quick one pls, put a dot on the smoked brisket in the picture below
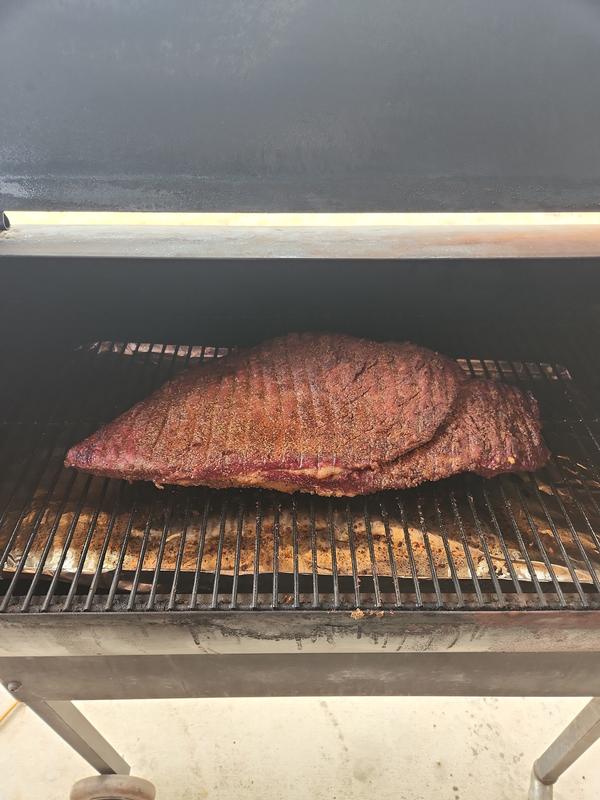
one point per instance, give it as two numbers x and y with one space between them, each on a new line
321 413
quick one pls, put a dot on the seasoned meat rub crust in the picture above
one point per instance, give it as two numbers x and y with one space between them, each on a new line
314 406
494 428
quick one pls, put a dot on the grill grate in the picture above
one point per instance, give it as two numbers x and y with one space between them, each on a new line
72 542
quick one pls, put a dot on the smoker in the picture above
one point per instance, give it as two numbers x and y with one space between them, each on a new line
177 186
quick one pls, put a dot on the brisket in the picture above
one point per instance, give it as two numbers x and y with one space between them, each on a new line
322 413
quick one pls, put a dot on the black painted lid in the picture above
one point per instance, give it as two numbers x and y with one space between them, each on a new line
318 105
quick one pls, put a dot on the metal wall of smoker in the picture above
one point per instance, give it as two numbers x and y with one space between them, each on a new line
299 104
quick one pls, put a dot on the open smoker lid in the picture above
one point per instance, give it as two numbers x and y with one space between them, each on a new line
305 105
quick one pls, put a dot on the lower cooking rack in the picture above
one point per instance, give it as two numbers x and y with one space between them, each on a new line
70 542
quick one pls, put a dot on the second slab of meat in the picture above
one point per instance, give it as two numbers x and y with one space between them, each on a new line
322 413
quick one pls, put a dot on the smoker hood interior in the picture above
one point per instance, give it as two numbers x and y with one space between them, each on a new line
288 106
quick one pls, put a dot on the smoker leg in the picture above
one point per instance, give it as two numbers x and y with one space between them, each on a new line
539 790
576 738
75 729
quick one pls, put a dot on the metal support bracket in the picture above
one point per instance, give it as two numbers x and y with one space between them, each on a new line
71 725
576 738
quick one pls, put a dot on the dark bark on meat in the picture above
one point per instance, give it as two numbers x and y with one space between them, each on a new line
320 413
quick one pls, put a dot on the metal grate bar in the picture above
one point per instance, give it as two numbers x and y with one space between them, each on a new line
238 551
507 558
410 553
374 569
124 545
467 549
334 569
107 538
313 553
352 545
83 556
257 536
295 554
161 551
181 550
452 567
140 563
434 576
276 520
390 549
484 546
200 554
215 592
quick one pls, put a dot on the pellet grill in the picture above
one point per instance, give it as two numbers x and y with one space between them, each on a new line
282 127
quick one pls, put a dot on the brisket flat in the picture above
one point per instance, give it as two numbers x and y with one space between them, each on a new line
494 428
322 413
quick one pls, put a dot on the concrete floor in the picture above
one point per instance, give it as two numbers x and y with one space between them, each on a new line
322 749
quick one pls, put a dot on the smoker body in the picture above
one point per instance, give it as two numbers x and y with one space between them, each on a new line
466 587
